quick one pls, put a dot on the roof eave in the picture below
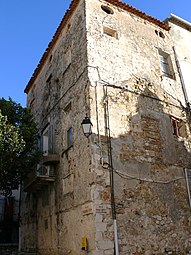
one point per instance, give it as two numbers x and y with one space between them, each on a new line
66 17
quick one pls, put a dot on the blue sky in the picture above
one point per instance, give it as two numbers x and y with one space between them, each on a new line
26 28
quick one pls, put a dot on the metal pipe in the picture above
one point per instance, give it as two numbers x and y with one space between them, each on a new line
110 158
182 83
181 76
116 237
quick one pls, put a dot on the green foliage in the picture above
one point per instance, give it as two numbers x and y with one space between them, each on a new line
18 144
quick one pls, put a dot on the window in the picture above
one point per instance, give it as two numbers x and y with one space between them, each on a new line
175 128
166 65
109 31
178 127
31 105
160 34
47 140
69 138
67 58
49 78
50 58
68 107
107 9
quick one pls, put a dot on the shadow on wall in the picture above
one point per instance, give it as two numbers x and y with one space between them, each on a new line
154 137
150 187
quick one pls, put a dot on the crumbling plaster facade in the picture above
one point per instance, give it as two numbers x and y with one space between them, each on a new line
108 66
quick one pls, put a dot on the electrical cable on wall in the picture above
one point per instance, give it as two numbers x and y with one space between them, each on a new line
100 80
111 169
135 92
127 176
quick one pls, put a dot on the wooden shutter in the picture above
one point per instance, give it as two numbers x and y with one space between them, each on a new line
50 139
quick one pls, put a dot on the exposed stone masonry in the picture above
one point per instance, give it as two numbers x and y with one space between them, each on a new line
116 79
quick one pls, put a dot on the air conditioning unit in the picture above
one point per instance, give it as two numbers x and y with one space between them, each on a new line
46 171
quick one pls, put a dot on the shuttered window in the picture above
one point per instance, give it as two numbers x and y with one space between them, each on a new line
166 65
47 140
69 138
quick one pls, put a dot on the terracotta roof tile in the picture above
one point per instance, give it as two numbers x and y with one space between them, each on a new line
68 14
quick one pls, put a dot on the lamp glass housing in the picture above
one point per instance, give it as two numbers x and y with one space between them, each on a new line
87 126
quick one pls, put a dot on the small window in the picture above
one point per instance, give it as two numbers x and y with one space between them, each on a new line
47 140
50 58
107 9
31 106
67 58
156 32
109 31
69 138
178 127
49 78
68 27
161 34
175 128
68 107
166 65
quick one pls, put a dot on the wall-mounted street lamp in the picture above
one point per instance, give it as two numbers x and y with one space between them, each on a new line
87 126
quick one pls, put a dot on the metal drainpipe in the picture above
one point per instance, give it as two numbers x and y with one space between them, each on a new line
182 81
113 207
188 105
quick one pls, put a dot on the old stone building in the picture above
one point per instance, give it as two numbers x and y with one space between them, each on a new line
126 188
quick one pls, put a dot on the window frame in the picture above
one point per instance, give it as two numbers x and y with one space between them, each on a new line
67 58
69 138
110 32
166 65
47 140
175 128
178 127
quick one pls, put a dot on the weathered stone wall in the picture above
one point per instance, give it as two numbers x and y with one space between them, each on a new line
153 214
28 222
117 80
59 96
